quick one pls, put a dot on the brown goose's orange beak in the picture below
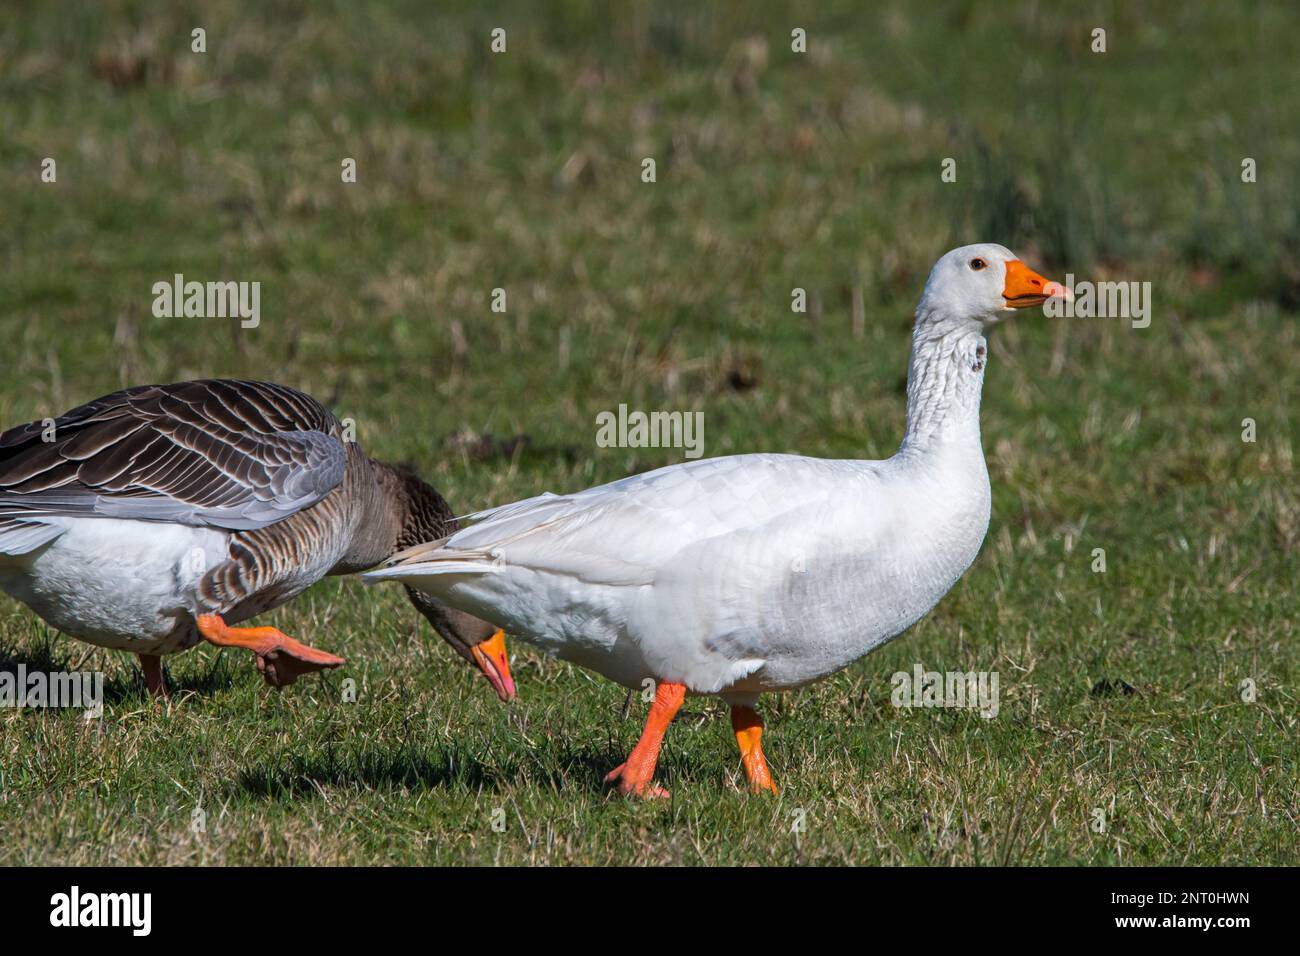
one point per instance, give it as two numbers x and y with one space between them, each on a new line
1025 287
492 660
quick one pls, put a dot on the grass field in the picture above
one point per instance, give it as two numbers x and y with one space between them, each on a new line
775 170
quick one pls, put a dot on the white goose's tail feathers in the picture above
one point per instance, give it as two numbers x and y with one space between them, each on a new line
479 545
432 558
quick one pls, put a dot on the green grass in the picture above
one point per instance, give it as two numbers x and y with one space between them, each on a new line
775 170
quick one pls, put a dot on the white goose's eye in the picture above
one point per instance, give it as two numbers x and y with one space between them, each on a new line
977 264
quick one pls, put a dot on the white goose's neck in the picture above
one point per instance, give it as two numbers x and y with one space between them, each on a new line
945 375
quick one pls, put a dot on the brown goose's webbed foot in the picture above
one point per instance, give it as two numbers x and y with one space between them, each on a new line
280 659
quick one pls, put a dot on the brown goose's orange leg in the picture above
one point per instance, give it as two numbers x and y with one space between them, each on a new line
280 658
151 664
635 776
749 735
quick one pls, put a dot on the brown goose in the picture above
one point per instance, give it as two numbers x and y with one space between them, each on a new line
159 516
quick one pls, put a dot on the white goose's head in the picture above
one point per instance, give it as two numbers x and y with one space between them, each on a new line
979 284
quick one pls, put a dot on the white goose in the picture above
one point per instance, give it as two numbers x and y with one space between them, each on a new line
752 573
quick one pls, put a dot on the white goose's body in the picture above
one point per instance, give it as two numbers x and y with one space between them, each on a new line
753 573
731 575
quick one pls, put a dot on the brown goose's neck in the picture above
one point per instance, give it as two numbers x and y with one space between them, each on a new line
395 509
392 509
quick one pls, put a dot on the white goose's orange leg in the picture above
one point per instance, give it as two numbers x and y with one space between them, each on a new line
280 658
749 736
635 776
151 664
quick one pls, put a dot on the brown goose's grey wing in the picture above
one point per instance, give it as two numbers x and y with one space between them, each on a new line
217 453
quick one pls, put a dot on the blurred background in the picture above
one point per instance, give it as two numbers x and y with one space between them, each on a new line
775 170
521 171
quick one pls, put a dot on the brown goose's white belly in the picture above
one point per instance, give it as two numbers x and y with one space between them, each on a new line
127 585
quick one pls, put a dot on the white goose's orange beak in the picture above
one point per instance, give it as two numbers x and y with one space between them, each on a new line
492 660
1025 287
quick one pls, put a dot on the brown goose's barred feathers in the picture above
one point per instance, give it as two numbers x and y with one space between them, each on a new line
274 496
225 454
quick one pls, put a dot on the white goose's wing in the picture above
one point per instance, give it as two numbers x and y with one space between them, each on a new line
624 532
